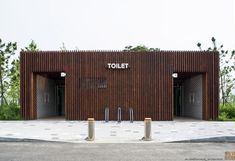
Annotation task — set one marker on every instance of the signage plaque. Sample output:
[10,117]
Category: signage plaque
[118,65]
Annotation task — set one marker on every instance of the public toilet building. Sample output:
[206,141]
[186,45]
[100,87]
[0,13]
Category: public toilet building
[161,85]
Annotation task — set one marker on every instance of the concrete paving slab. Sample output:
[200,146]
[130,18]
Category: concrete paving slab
[113,132]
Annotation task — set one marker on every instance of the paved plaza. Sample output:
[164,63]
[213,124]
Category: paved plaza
[113,132]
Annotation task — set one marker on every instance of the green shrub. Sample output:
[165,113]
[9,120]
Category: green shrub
[9,112]
[227,111]
[222,116]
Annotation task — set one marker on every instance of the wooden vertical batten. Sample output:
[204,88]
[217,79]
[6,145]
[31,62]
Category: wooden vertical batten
[146,86]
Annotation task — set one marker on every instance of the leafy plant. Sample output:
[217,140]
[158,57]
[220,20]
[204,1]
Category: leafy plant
[13,94]
[7,50]
[140,48]
[10,112]
[226,75]
[31,47]
[227,111]
[10,79]
[222,116]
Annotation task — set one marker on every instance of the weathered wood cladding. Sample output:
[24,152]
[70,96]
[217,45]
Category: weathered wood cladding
[146,86]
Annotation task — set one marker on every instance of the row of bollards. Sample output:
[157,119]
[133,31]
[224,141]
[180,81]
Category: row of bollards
[147,129]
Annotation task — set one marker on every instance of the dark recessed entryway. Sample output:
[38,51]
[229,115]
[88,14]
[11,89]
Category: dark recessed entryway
[50,95]
[188,95]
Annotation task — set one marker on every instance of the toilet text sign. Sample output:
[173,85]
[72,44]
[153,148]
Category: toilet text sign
[118,65]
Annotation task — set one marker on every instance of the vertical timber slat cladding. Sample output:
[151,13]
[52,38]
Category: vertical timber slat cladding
[146,85]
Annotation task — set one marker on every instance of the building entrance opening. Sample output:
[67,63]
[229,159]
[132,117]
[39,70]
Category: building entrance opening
[50,95]
[187,95]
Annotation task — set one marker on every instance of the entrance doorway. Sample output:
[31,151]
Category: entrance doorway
[60,100]
[50,95]
[178,100]
[187,95]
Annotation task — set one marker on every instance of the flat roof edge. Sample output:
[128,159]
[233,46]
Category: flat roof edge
[119,51]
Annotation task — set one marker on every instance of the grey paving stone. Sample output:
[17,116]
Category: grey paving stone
[9,134]
[83,134]
[55,138]
[174,131]
[75,140]
[115,126]
[54,134]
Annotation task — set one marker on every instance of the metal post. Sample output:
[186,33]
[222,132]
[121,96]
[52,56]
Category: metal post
[106,114]
[147,129]
[91,129]
[119,114]
[131,115]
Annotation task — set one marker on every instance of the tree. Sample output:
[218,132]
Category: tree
[14,75]
[63,48]
[6,51]
[226,78]
[31,47]
[140,48]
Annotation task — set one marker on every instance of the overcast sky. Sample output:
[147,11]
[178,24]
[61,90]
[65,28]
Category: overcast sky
[114,24]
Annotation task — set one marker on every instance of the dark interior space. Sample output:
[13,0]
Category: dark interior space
[50,95]
[187,97]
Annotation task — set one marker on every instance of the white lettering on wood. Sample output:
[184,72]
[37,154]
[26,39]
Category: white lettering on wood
[118,65]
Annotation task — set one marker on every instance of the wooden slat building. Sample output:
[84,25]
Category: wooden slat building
[146,85]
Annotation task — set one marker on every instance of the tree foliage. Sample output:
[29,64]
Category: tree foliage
[226,75]
[10,79]
[7,50]
[63,47]
[140,48]
[31,47]
[13,94]
[14,80]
